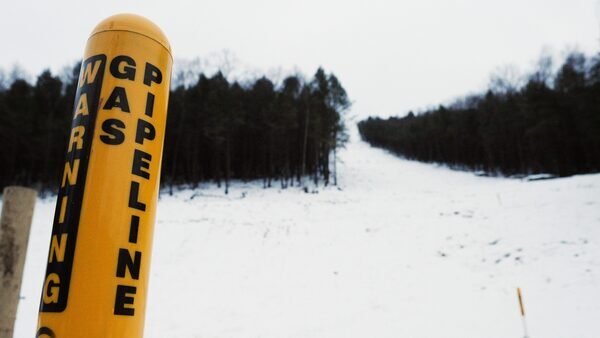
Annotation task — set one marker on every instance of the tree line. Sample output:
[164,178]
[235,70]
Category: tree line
[549,124]
[217,130]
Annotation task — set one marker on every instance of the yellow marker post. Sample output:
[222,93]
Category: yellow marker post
[522,308]
[99,258]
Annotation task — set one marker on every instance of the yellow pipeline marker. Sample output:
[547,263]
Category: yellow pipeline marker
[99,258]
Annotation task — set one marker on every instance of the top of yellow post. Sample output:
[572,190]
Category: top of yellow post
[133,23]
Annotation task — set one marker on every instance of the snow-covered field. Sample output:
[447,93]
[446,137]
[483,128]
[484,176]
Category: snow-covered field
[401,249]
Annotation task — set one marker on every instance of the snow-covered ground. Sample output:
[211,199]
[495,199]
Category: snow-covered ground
[401,249]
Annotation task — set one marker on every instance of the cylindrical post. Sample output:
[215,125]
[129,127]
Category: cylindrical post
[99,257]
[15,222]
[522,308]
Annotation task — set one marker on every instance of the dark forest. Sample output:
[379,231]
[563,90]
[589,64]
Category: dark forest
[284,134]
[550,124]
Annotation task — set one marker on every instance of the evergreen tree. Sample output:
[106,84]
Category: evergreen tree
[544,127]
[216,130]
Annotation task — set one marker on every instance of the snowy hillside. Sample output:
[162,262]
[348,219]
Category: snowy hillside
[402,249]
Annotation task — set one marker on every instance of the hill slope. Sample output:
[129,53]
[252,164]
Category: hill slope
[403,249]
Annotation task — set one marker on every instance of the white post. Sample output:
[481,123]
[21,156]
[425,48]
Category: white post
[17,211]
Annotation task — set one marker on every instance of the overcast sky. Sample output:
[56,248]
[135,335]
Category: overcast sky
[391,55]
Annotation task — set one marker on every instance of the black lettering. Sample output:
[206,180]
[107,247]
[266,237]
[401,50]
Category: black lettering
[145,130]
[127,72]
[45,332]
[126,263]
[124,297]
[67,216]
[141,161]
[118,98]
[149,104]
[114,135]
[152,74]
[134,193]
[133,229]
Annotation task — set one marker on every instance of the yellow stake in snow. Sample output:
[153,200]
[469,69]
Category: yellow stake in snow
[522,308]
[99,258]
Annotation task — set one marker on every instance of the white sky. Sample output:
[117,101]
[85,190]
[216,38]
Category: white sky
[392,56]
